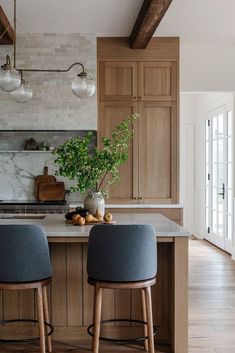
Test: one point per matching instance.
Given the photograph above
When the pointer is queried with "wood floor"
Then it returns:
(211, 300)
(211, 308)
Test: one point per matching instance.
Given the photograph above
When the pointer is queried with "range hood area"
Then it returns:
(33, 206)
(20, 166)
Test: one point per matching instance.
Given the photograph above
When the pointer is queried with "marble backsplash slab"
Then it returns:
(18, 170)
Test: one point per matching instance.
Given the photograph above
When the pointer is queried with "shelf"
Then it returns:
(25, 151)
(14, 141)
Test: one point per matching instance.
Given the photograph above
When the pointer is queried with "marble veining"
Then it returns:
(18, 171)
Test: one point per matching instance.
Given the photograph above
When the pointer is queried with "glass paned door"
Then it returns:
(218, 178)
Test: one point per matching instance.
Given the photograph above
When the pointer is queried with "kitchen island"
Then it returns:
(71, 298)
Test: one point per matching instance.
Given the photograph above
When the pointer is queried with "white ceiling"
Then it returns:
(192, 20)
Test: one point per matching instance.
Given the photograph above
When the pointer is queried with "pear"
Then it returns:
(108, 217)
(91, 219)
(80, 221)
(76, 217)
(98, 216)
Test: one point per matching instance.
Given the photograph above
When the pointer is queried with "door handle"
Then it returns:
(223, 191)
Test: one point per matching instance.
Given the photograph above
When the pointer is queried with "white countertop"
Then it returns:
(55, 226)
(134, 205)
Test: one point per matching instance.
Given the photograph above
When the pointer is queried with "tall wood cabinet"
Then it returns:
(146, 84)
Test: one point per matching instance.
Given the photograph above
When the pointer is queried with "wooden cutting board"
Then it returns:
(54, 191)
(45, 178)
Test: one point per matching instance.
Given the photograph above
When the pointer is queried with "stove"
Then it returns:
(32, 206)
(31, 202)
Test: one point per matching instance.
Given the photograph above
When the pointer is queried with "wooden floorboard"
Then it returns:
(211, 309)
(211, 299)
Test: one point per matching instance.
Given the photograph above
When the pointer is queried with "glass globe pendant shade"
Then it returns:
(9, 77)
(22, 94)
(83, 86)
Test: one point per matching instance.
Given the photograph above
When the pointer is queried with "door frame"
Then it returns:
(222, 242)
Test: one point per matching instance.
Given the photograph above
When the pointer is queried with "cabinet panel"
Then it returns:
(145, 82)
(118, 81)
(156, 151)
(157, 81)
(112, 114)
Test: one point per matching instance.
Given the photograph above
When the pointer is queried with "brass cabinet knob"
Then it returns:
(139, 97)
(140, 198)
(135, 198)
(134, 98)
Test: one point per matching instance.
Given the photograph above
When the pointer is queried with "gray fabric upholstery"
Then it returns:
(122, 253)
(24, 254)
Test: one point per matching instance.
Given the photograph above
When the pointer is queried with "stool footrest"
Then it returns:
(126, 340)
(33, 339)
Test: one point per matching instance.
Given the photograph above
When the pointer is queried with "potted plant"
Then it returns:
(90, 167)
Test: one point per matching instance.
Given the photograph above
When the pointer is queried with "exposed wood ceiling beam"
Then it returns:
(150, 15)
(5, 27)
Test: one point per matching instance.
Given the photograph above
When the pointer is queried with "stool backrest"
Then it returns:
(122, 253)
(24, 254)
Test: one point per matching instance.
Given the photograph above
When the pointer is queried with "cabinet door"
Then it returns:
(158, 152)
(111, 114)
(157, 81)
(118, 81)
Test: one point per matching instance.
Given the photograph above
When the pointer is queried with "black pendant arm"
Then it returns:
(52, 70)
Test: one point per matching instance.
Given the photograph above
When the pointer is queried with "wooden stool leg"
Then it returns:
(41, 320)
(97, 318)
(149, 318)
(46, 315)
(143, 301)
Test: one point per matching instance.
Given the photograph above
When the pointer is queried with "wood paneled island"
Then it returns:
(71, 298)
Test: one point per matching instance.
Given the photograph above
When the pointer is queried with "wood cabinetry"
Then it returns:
(118, 81)
(157, 81)
(157, 152)
(132, 83)
(137, 81)
(112, 114)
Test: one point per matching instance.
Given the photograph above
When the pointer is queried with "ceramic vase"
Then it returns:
(95, 202)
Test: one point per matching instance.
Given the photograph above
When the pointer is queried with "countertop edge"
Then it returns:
(55, 226)
(107, 205)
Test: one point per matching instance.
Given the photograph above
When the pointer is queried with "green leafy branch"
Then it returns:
(90, 167)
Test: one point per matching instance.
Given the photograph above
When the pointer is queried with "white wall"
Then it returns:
(187, 117)
(192, 152)
(207, 67)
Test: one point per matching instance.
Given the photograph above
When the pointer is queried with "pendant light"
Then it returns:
(23, 93)
(11, 78)
(83, 86)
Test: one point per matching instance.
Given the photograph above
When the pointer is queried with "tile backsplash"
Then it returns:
(53, 105)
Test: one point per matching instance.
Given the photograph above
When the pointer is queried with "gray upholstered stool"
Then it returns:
(25, 264)
(122, 257)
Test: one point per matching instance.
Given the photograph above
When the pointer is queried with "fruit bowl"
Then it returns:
(76, 218)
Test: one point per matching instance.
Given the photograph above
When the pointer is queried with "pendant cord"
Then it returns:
(8, 66)
(14, 33)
